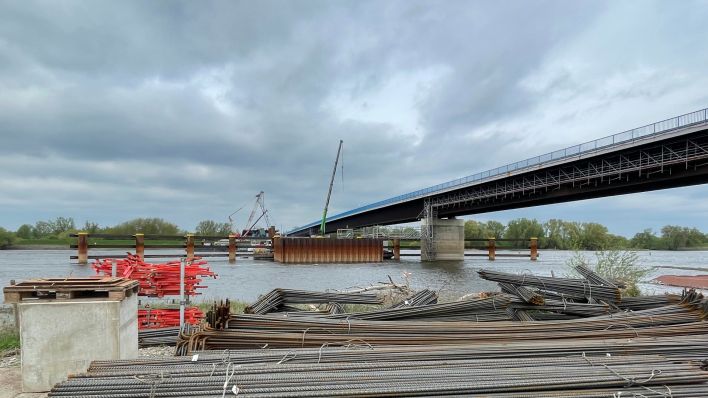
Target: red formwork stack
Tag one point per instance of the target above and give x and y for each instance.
(160, 280)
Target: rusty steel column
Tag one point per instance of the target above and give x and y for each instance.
(232, 248)
(190, 247)
(396, 249)
(271, 231)
(534, 249)
(492, 247)
(140, 245)
(83, 247)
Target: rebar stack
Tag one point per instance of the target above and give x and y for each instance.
(578, 375)
(276, 299)
(423, 297)
(587, 345)
(569, 287)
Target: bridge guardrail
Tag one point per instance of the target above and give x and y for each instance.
(628, 136)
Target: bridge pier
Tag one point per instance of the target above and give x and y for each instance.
(447, 242)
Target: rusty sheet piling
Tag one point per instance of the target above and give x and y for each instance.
(327, 250)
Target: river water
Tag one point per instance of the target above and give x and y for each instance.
(247, 279)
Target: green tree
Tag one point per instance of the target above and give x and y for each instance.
(61, 225)
(558, 234)
(213, 228)
(494, 229)
(24, 231)
(149, 226)
(524, 229)
(675, 237)
(42, 229)
(594, 236)
(7, 238)
(475, 230)
(646, 240)
(91, 227)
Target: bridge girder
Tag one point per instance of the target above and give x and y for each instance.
(681, 161)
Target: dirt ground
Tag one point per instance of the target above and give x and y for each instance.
(11, 375)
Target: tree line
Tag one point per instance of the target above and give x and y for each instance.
(552, 234)
(571, 235)
(61, 227)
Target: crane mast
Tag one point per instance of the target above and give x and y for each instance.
(329, 192)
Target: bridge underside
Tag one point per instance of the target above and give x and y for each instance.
(678, 162)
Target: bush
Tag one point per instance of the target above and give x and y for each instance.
(616, 265)
(7, 238)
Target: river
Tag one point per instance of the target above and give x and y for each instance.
(247, 279)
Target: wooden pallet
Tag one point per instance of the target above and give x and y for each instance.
(95, 288)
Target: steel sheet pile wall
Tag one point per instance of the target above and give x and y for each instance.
(327, 250)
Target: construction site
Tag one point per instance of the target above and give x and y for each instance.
(534, 336)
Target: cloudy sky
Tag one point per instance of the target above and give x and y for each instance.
(111, 110)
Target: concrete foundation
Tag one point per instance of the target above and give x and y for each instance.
(448, 241)
(63, 337)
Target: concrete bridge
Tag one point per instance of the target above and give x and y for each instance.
(666, 154)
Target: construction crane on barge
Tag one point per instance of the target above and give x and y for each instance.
(259, 204)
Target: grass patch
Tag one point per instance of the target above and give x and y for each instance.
(9, 340)
(237, 306)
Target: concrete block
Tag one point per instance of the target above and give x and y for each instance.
(63, 337)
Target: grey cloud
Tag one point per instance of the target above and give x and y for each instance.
(203, 104)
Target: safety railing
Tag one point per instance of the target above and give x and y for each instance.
(629, 136)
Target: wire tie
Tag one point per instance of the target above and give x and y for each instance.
(319, 357)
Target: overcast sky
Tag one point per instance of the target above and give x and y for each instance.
(111, 110)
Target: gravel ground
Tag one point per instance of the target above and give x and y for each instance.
(11, 375)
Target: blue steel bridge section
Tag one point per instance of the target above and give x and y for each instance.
(666, 154)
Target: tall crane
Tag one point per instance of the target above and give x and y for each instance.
(329, 193)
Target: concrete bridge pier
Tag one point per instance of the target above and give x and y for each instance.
(447, 241)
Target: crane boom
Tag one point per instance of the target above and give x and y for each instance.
(329, 192)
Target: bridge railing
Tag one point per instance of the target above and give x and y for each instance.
(629, 136)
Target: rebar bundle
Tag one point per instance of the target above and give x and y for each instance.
(575, 288)
(592, 276)
(277, 298)
(526, 294)
(153, 337)
(423, 297)
(452, 311)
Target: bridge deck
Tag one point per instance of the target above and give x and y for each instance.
(572, 164)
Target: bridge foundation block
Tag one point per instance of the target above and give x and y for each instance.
(447, 243)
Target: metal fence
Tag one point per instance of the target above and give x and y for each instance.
(625, 137)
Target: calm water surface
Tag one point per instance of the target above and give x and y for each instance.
(247, 279)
